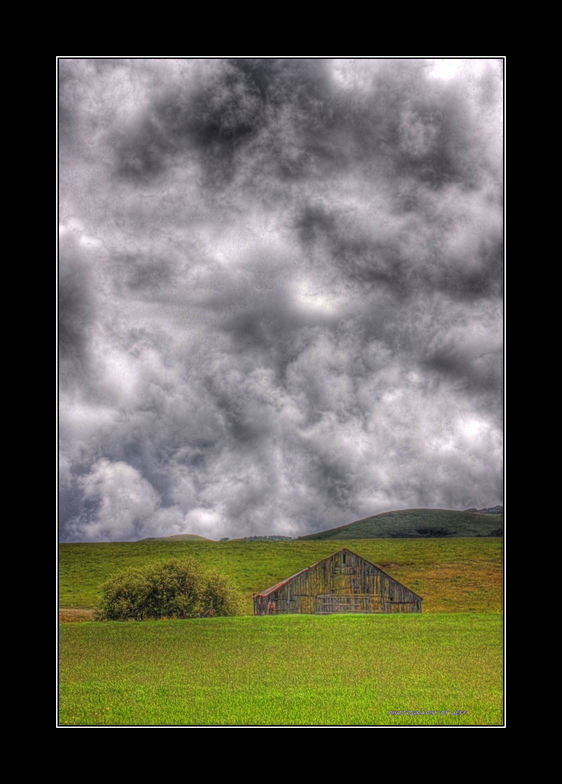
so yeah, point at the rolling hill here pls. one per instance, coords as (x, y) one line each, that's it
(452, 574)
(177, 538)
(417, 523)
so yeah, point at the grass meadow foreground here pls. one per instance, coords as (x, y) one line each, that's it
(284, 670)
(289, 669)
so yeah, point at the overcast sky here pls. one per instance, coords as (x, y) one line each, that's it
(280, 293)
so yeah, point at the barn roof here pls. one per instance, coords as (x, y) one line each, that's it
(286, 580)
(312, 566)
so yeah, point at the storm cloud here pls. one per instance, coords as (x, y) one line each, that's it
(280, 292)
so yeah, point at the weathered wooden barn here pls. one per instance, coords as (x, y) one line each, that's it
(342, 583)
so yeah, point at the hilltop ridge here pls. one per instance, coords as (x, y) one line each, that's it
(418, 523)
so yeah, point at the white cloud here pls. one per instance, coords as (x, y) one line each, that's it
(123, 503)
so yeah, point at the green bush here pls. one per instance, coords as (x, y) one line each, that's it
(176, 589)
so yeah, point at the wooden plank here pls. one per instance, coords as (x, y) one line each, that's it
(343, 582)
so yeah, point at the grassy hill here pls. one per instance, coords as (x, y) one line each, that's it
(177, 538)
(451, 574)
(416, 523)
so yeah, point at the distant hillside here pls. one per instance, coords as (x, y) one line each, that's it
(177, 538)
(259, 539)
(488, 510)
(417, 523)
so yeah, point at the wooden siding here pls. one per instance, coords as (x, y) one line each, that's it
(343, 582)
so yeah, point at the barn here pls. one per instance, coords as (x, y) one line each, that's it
(342, 583)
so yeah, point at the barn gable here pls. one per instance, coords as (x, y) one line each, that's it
(343, 582)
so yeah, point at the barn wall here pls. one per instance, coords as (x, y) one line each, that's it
(344, 582)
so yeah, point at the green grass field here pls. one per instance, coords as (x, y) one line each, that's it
(284, 670)
(452, 575)
(405, 523)
(292, 669)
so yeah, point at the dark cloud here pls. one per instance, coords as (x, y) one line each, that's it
(212, 120)
(77, 308)
(76, 313)
(145, 276)
(280, 292)
(288, 117)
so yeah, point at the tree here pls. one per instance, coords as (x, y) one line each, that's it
(176, 589)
